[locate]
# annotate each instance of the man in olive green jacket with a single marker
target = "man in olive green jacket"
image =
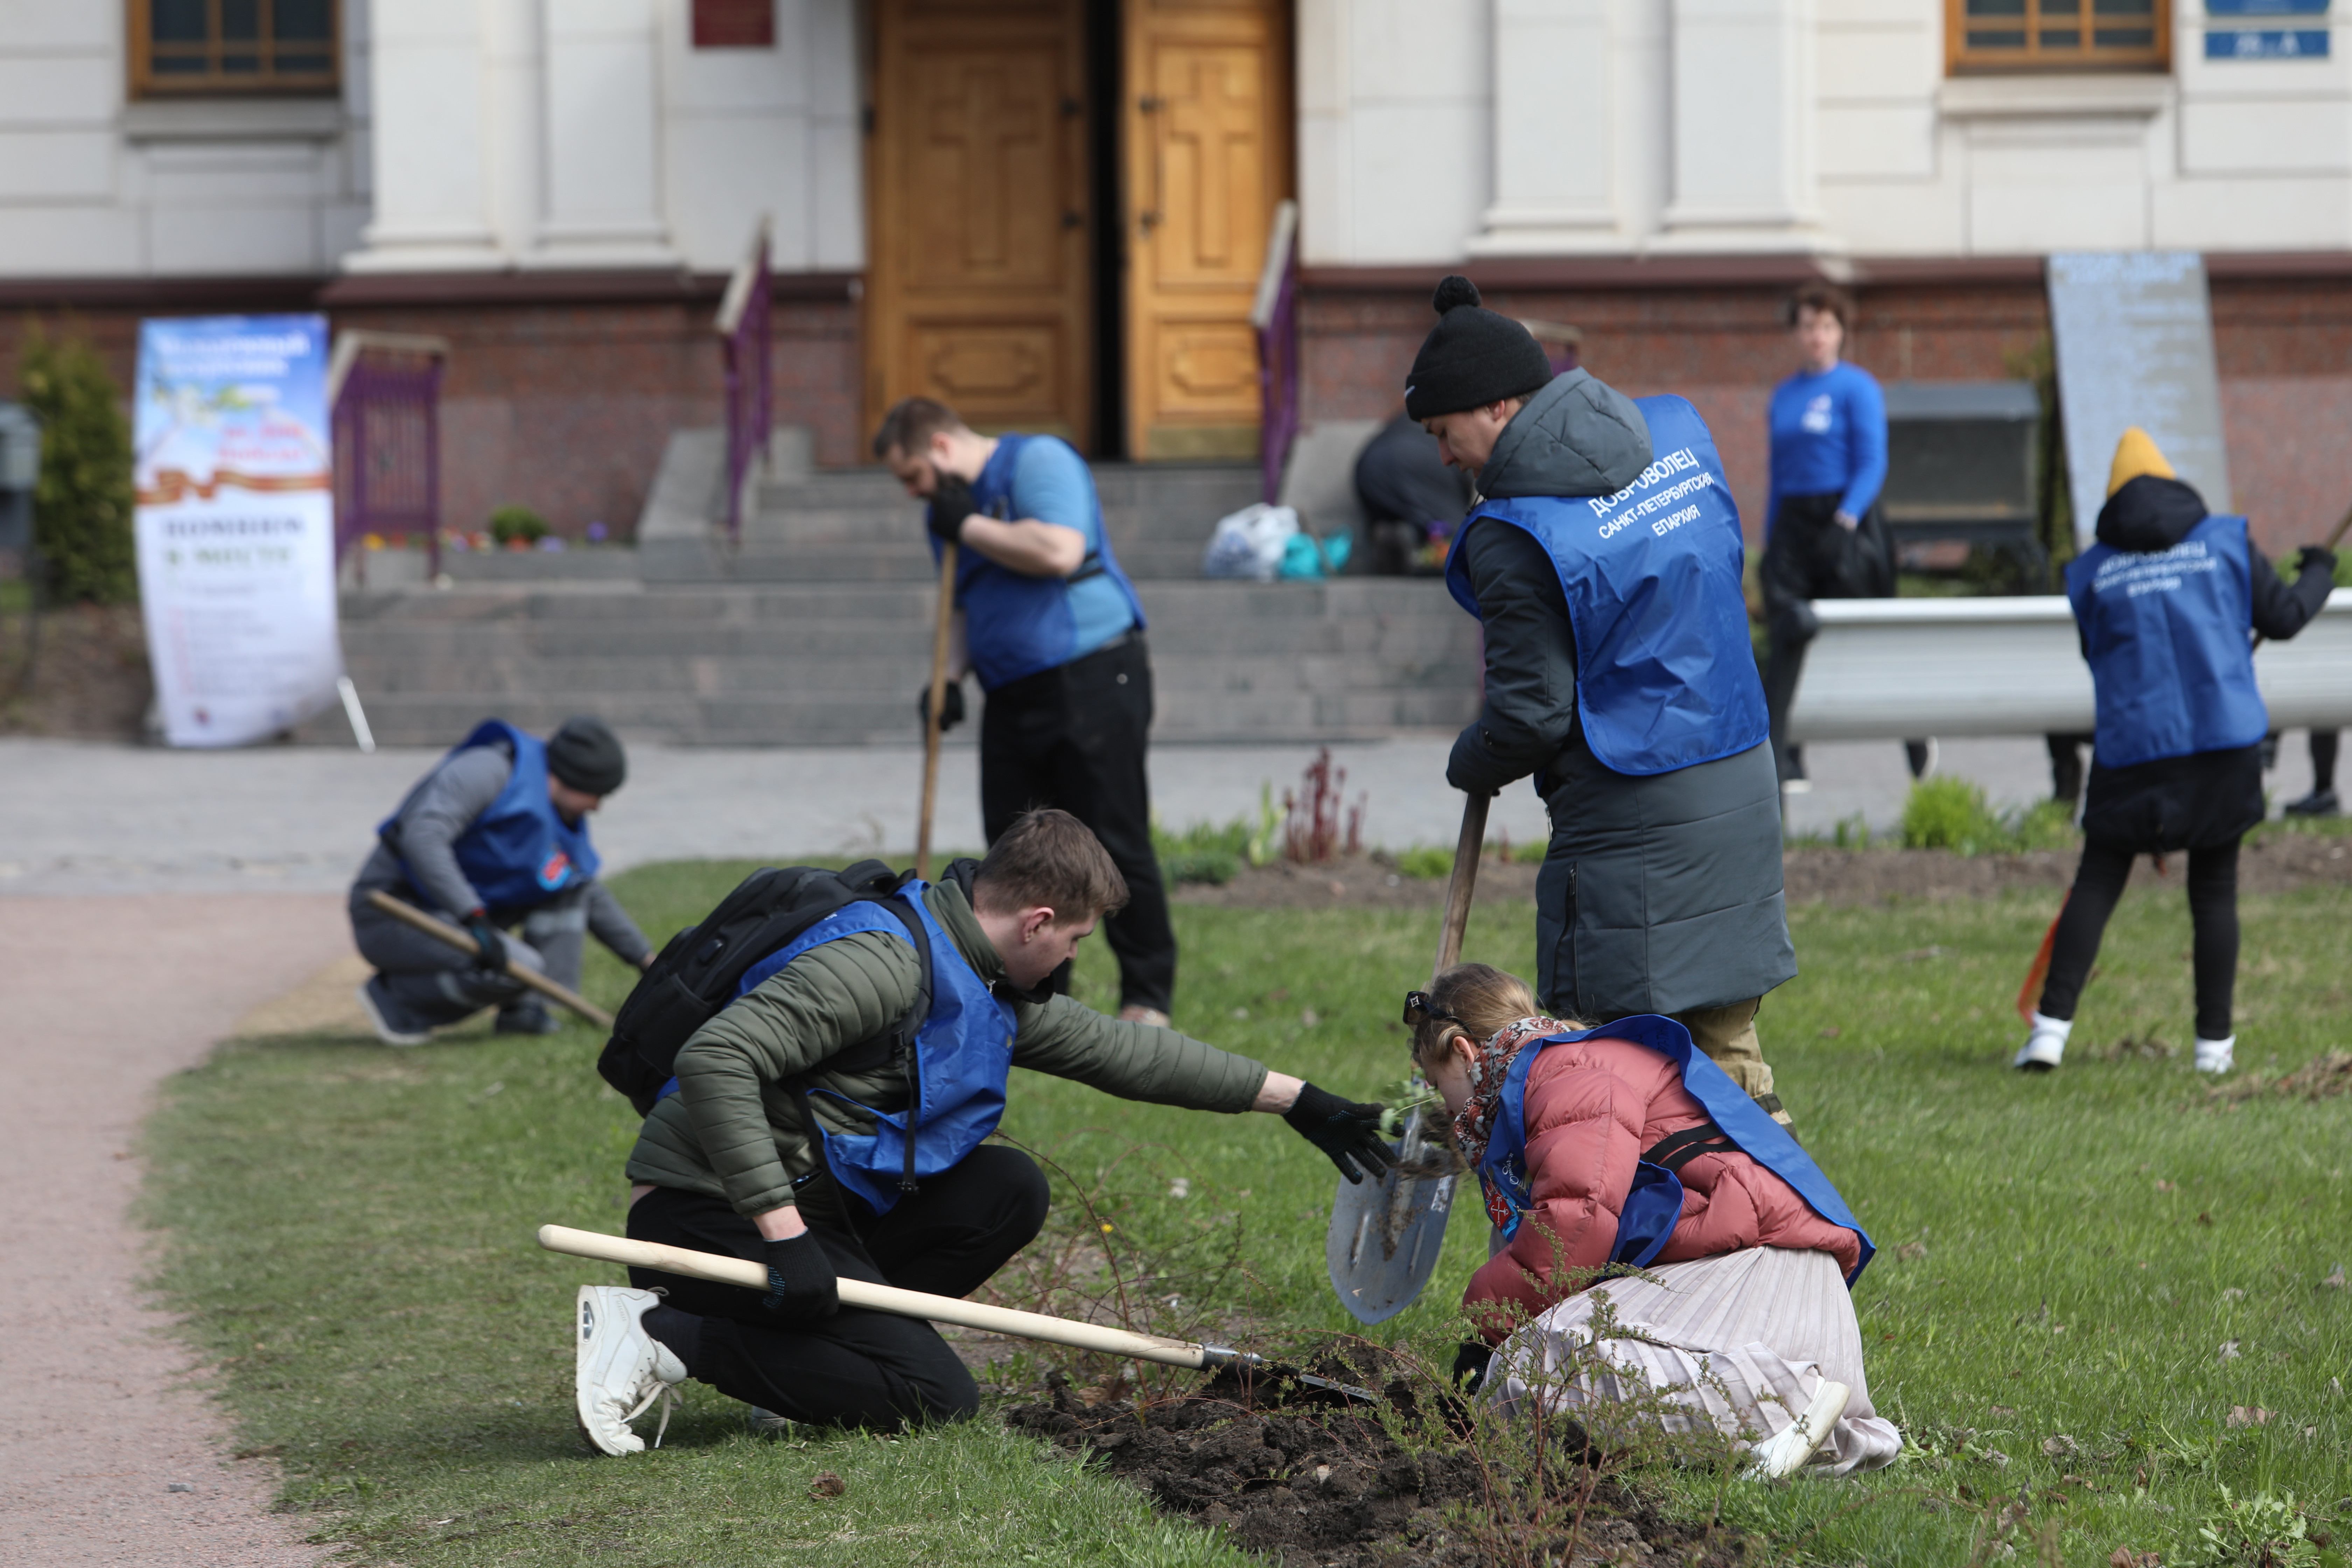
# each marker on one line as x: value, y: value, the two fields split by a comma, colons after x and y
x: 782, y: 1145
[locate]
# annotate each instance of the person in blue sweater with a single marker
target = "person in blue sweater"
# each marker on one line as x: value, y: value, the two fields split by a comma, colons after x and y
x: 1824, y: 537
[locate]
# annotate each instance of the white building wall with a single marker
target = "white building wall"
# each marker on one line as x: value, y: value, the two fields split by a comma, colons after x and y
x: 94, y: 185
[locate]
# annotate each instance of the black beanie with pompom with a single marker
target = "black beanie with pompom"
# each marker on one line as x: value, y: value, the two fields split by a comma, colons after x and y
x: 1472, y: 357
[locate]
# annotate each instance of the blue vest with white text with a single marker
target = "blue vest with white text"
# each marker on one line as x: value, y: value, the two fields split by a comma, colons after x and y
x: 2168, y: 636
x: 519, y: 853
x: 1653, y: 1204
x: 1664, y: 677
x: 963, y: 1054
x: 1016, y: 624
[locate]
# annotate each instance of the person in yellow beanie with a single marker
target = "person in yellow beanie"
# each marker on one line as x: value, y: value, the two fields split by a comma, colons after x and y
x: 2168, y: 600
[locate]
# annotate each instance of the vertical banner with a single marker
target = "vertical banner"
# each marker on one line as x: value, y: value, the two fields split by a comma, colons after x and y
x: 235, y: 524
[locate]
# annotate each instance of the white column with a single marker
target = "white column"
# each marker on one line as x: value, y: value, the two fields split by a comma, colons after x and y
x: 431, y: 186
x: 514, y: 121
x: 603, y: 197
x: 1743, y: 127
x: 1558, y: 130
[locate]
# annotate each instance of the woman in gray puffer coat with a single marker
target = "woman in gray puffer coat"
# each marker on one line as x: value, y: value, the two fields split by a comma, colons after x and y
x: 1602, y: 554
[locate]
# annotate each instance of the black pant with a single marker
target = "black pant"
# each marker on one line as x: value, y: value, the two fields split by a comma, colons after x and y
x: 1808, y: 556
x: 2323, y: 759
x: 857, y: 1368
x: 1073, y: 737
x: 2212, y: 915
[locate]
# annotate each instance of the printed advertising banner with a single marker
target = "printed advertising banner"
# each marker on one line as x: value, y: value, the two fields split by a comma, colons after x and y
x: 237, y: 527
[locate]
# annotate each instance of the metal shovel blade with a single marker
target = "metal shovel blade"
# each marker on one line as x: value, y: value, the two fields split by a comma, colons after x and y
x: 1385, y: 1237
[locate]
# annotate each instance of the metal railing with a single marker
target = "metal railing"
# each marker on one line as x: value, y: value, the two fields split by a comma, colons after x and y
x: 1275, y: 317
x: 743, y: 328
x: 384, y: 392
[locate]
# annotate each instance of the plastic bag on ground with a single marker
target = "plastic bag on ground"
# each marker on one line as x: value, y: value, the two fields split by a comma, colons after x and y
x: 1251, y: 543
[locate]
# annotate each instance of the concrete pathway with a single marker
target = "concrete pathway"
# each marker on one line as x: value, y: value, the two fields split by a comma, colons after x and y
x: 100, y: 999
x: 79, y: 818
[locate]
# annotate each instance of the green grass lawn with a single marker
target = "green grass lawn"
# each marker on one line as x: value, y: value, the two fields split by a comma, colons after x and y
x: 2083, y: 1273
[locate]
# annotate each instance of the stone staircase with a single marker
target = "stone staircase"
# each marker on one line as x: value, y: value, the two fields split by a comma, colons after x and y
x: 816, y: 630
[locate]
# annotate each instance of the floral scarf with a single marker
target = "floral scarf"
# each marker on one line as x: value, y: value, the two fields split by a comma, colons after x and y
x: 1476, y: 1125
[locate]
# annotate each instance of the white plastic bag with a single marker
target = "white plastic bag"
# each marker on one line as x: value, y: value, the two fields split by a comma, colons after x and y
x: 1250, y: 542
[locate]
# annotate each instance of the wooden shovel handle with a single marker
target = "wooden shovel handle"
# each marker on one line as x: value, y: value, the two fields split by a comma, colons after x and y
x: 417, y: 919
x: 723, y: 1271
x: 931, y: 730
x: 1464, y: 882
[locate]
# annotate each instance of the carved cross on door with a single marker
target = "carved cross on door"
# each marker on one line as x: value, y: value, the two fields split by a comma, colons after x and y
x: 1219, y: 114
x: 985, y: 125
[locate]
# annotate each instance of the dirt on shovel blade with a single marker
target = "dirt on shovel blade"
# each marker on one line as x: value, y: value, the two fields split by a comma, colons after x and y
x: 1311, y: 1476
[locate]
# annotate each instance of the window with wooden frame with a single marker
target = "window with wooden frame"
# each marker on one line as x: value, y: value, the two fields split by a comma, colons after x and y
x: 1986, y: 36
x: 233, y: 46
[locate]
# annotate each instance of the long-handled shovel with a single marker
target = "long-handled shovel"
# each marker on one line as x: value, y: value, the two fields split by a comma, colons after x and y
x: 1384, y: 1239
x: 723, y: 1271
x: 931, y: 713
x: 416, y: 919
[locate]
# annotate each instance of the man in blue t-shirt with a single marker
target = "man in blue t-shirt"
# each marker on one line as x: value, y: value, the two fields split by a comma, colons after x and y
x: 1051, y: 626
x: 1824, y: 537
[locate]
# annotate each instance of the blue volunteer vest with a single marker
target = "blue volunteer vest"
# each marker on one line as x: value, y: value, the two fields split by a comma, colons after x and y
x: 1664, y: 675
x: 2168, y: 634
x: 519, y: 852
x: 1654, y: 1204
x: 964, y: 1053
x: 1016, y: 624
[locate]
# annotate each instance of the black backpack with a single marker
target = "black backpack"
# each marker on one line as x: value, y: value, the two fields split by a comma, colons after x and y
x: 700, y: 969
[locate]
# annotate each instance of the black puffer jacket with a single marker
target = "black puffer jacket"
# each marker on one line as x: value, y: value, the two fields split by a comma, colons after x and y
x: 1659, y: 894
x: 2206, y: 799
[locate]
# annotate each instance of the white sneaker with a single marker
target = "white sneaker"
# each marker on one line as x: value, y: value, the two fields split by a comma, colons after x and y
x: 2045, y: 1047
x: 1788, y: 1451
x: 2215, y: 1056
x: 383, y: 1025
x: 618, y: 1370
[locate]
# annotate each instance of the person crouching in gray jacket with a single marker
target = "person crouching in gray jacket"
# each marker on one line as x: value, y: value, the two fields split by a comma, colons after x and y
x: 495, y: 836
x: 1602, y: 554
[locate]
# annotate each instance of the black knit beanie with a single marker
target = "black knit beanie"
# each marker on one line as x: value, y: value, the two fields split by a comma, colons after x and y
x: 587, y: 755
x: 1472, y: 357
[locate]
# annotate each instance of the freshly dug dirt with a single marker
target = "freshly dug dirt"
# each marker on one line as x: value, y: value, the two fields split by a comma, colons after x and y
x: 2274, y: 864
x: 1308, y: 1476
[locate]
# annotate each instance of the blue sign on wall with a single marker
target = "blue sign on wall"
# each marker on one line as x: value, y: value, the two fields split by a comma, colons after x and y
x: 2266, y: 44
x: 2266, y: 7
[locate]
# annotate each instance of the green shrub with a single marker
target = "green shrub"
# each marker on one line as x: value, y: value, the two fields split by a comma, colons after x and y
x: 1214, y: 867
x: 1949, y: 813
x: 1426, y: 862
x: 81, y: 506
x: 1202, y: 853
x: 511, y: 522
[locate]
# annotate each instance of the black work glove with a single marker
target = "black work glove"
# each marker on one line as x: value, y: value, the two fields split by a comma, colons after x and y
x: 1470, y: 1364
x: 1472, y: 768
x: 951, y: 705
x: 491, y: 946
x: 1348, y: 1133
x: 950, y: 504
x: 2316, y: 555
x: 800, y: 1279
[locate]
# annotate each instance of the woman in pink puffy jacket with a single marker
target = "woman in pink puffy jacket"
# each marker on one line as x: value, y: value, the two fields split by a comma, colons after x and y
x: 1625, y: 1147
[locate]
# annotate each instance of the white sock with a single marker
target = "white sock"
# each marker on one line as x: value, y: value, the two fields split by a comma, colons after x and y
x: 2215, y: 1056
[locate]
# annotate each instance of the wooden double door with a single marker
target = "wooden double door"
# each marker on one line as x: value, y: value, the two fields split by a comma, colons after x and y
x: 1004, y: 136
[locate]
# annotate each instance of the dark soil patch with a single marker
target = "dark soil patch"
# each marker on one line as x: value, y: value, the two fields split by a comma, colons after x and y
x: 2271, y: 862
x: 1307, y: 1475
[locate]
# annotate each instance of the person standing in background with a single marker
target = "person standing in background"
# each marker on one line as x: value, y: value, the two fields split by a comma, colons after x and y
x: 2168, y: 602
x: 2321, y: 801
x: 1825, y: 536
x: 1052, y: 628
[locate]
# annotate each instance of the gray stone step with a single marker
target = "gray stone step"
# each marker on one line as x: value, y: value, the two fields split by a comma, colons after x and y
x: 839, y: 663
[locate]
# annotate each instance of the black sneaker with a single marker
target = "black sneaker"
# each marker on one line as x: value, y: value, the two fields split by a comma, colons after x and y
x: 526, y: 1018
x: 2318, y: 802
x: 392, y: 1027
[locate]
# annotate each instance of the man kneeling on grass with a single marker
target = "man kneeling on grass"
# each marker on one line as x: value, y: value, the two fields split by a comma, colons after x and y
x: 782, y: 1145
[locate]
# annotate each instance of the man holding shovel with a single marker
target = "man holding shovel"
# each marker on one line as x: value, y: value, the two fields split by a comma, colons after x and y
x: 495, y: 836
x: 1603, y: 557
x: 1052, y: 628
x: 787, y: 1141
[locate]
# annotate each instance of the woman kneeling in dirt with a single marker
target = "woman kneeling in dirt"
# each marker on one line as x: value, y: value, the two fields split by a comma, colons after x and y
x: 1622, y: 1145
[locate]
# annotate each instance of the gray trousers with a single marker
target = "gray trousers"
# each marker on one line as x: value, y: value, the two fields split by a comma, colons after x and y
x: 434, y: 982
